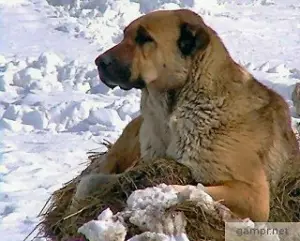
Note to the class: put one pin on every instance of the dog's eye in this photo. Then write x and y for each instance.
(142, 36)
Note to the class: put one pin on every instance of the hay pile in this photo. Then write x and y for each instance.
(60, 223)
(285, 199)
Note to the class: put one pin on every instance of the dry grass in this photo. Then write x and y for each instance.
(61, 224)
(58, 222)
(201, 224)
(285, 202)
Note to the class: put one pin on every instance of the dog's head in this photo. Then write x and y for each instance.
(157, 49)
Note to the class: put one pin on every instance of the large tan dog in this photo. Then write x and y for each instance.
(200, 108)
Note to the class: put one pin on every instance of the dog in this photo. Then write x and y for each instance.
(296, 98)
(201, 108)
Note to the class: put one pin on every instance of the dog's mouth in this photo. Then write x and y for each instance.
(119, 78)
(114, 75)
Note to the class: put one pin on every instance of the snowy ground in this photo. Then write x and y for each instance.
(53, 108)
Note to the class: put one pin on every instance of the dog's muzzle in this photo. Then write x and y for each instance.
(113, 73)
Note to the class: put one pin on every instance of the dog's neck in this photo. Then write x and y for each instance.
(211, 81)
(161, 102)
(156, 108)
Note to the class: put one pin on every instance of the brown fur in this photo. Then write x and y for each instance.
(296, 98)
(204, 110)
(121, 157)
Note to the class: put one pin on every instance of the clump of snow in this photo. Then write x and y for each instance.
(37, 78)
(145, 209)
(35, 118)
(129, 109)
(49, 72)
(83, 4)
(104, 229)
(16, 112)
(14, 126)
(6, 80)
(148, 6)
(11, 2)
(266, 2)
(2, 60)
(249, 66)
(107, 117)
(149, 236)
(90, 18)
(264, 67)
(48, 62)
(27, 76)
(60, 2)
(295, 73)
(280, 69)
(25, 115)
(161, 196)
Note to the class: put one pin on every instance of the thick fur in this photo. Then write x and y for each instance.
(296, 98)
(203, 109)
(121, 157)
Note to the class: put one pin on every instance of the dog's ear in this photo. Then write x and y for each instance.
(192, 38)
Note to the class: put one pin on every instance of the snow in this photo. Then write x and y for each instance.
(53, 108)
(104, 229)
(145, 209)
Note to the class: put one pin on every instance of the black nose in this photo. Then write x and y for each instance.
(103, 61)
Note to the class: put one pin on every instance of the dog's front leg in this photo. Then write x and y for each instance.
(125, 152)
(244, 200)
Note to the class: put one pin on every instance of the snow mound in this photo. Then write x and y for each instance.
(14, 126)
(145, 209)
(54, 94)
(47, 73)
(90, 19)
(105, 228)
(2, 60)
(11, 2)
(102, 5)
(148, 6)
(251, 2)
(83, 4)
(281, 69)
(51, 93)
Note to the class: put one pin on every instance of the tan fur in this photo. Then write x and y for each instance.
(296, 98)
(207, 112)
(121, 157)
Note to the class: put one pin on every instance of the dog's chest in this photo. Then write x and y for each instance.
(155, 132)
(183, 133)
(194, 127)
